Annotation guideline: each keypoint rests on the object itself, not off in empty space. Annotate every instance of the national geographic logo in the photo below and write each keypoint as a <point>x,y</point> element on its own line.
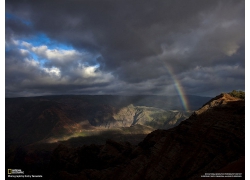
<point>15,171</point>
<point>18,173</point>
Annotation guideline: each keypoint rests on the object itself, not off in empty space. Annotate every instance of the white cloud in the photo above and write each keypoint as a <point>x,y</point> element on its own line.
<point>11,42</point>
<point>91,74</point>
<point>31,73</point>
<point>40,50</point>
<point>86,71</point>
<point>230,48</point>
<point>25,44</point>
<point>24,52</point>
<point>53,71</point>
<point>58,57</point>
<point>31,62</point>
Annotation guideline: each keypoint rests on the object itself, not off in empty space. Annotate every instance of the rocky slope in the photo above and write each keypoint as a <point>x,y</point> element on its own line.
<point>34,126</point>
<point>154,117</point>
<point>33,119</point>
<point>211,140</point>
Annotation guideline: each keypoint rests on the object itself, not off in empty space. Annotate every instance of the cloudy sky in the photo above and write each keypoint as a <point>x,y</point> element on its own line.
<point>162,47</point>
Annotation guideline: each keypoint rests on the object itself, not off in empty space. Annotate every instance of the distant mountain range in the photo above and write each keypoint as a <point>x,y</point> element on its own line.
<point>83,137</point>
<point>33,119</point>
<point>211,142</point>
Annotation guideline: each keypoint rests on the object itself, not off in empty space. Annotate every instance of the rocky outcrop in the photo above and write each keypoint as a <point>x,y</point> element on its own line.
<point>210,140</point>
<point>154,117</point>
<point>219,101</point>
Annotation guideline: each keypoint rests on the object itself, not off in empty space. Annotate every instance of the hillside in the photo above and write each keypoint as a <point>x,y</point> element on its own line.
<point>35,126</point>
<point>33,119</point>
<point>211,140</point>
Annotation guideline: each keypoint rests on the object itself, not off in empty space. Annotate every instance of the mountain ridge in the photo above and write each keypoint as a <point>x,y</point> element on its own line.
<point>209,140</point>
<point>45,116</point>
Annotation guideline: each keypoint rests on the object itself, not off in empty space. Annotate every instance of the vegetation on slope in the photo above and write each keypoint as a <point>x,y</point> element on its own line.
<point>238,94</point>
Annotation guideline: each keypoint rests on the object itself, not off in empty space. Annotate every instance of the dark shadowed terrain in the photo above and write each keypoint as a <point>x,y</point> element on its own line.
<point>52,118</point>
<point>212,140</point>
<point>94,137</point>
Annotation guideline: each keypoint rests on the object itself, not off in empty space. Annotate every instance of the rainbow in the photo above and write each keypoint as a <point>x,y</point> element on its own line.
<point>179,88</point>
<point>177,84</point>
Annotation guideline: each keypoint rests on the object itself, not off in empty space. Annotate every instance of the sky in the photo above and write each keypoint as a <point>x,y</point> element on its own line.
<point>124,47</point>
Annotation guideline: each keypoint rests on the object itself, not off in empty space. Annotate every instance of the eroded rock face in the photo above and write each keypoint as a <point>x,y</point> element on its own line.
<point>211,139</point>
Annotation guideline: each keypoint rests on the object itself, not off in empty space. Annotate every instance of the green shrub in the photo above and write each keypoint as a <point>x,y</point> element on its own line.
<point>238,94</point>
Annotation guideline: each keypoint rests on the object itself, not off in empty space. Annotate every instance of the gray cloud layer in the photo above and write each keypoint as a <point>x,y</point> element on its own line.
<point>138,46</point>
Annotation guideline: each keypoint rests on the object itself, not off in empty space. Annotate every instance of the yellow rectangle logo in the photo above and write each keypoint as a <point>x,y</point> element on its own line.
<point>9,171</point>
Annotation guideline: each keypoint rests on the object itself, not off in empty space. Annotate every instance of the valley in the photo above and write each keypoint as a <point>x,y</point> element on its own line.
<point>35,126</point>
<point>54,118</point>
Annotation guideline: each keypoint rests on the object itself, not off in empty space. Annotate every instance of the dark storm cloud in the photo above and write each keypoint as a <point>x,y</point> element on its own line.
<point>13,25</point>
<point>139,41</point>
<point>25,76</point>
